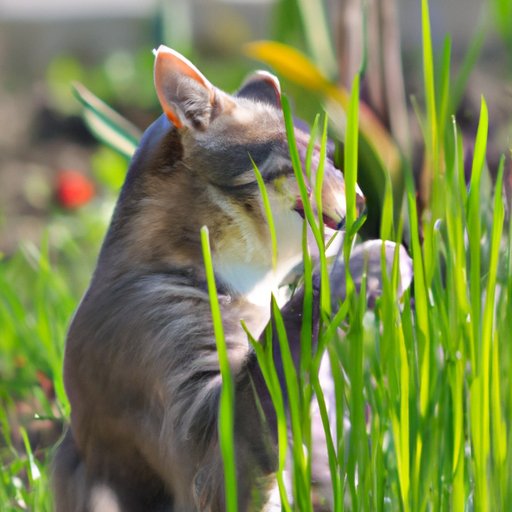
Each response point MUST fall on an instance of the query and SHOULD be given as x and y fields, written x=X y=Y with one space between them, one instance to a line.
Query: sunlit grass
x=422 y=381
x=226 y=408
x=35 y=306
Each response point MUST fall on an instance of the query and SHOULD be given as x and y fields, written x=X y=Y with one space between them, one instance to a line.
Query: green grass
x=422 y=384
x=34 y=310
x=40 y=288
x=422 y=380
x=226 y=416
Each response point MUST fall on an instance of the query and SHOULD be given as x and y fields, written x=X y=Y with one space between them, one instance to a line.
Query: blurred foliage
x=106 y=124
x=109 y=168
x=117 y=80
x=502 y=10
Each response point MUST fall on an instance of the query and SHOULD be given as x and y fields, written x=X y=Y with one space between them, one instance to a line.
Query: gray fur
x=141 y=367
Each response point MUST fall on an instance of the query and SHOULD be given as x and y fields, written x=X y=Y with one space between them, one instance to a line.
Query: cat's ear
x=261 y=86
x=186 y=96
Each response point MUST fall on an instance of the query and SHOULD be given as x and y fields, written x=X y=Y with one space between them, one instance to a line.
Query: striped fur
x=141 y=368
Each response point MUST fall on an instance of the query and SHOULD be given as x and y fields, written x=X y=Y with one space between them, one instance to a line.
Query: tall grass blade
x=325 y=287
x=491 y=363
x=474 y=232
x=432 y=163
x=480 y=346
x=111 y=128
x=350 y=174
x=268 y=369
x=226 y=412
x=301 y=483
x=351 y=157
x=268 y=213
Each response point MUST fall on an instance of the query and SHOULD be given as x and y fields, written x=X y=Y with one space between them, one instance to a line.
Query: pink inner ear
x=168 y=66
x=181 y=66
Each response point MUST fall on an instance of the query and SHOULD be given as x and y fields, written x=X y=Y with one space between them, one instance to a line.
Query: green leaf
x=106 y=124
x=268 y=212
x=226 y=412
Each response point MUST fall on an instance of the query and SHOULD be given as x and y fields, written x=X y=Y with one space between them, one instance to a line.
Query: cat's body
x=141 y=367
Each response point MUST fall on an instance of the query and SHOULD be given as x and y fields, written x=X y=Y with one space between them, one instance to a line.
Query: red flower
x=74 y=189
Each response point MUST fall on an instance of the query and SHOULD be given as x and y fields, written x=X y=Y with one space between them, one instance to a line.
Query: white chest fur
x=245 y=265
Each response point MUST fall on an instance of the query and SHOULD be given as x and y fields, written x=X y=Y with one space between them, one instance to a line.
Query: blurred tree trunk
x=383 y=82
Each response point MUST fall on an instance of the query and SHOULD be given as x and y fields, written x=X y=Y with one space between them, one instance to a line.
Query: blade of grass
x=444 y=91
x=226 y=411
x=111 y=128
x=350 y=175
x=311 y=145
x=422 y=329
x=458 y=310
x=474 y=232
x=306 y=329
x=430 y=97
x=491 y=363
x=357 y=461
x=268 y=369
x=301 y=483
x=268 y=212
x=325 y=288
x=397 y=369
x=386 y=222
x=479 y=345
x=351 y=158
